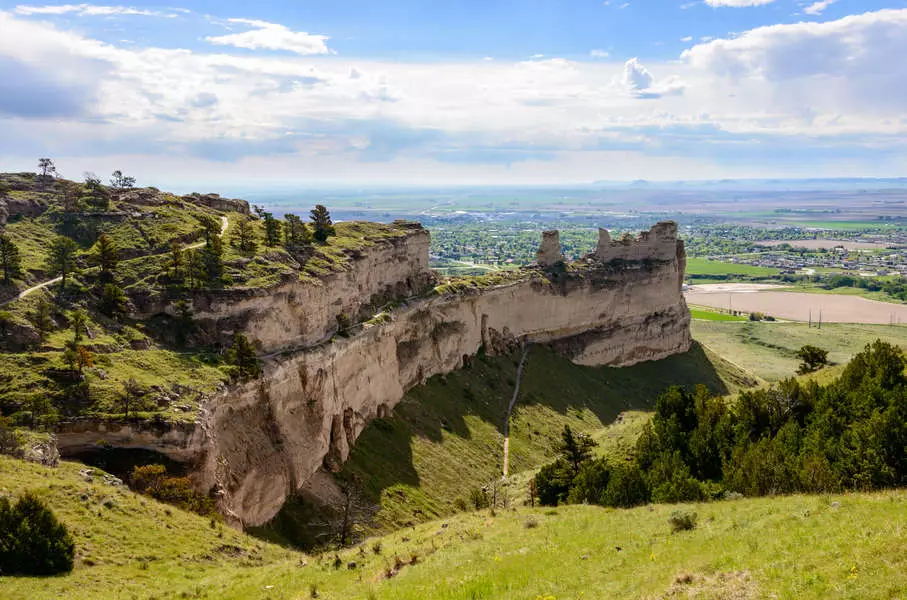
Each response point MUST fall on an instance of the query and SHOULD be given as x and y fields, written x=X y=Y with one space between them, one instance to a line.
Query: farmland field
x=767 y=350
x=711 y=315
x=798 y=306
x=702 y=266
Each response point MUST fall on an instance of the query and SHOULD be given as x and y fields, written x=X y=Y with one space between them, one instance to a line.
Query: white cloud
x=687 y=38
x=815 y=80
x=818 y=7
x=89 y=10
x=738 y=3
x=599 y=54
x=639 y=82
x=271 y=36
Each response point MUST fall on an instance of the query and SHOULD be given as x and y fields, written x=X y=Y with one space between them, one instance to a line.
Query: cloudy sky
x=466 y=91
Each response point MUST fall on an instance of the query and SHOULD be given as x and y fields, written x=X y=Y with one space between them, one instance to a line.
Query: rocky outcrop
x=549 y=253
x=259 y=442
x=217 y=203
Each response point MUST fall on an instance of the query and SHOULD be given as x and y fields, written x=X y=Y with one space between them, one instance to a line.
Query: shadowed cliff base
x=445 y=438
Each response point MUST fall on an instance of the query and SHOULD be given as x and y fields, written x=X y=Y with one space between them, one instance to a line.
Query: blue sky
x=536 y=91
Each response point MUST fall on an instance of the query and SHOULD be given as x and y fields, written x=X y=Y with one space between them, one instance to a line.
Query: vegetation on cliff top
x=71 y=349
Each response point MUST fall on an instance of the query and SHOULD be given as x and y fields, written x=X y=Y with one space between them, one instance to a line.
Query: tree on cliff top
x=272 y=229
x=243 y=235
x=295 y=232
x=321 y=223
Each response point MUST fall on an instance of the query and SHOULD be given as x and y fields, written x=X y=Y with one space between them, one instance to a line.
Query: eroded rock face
x=259 y=442
x=549 y=253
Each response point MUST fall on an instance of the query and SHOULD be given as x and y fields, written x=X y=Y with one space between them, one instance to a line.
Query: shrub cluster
x=32 y=540
x=849 y=434
x=153 y=480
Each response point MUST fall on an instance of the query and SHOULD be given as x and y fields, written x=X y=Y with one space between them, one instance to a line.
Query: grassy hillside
x=767 y=350
x=446 y=437
x=844 y=546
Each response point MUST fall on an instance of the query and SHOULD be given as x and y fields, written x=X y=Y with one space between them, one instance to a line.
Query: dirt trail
x=224 y=223
x=516 y=391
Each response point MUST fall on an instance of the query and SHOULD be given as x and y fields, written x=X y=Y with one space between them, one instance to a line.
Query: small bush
x=531 y=523
x=32 y=540
x=682 y=520
x=153 y=480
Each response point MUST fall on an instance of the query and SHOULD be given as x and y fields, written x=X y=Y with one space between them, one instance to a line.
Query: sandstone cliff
x=260 y=441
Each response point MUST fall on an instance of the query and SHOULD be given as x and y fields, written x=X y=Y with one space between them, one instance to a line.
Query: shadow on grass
x=451 y=410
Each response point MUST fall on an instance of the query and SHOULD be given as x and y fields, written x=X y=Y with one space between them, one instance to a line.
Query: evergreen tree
x=212 y=262
x=243 y=235
x=96 y=195
x=242 y=354
x=32 y=540
x=211 y=255
x=62 y=258
x=576 y=449
x=113 y=300
x=10 y=260
x=295 y=231
x=322 y=225
x=105 y=255
x=177 y=260
x=121 y=182
x=272 y=229
x=41 y=317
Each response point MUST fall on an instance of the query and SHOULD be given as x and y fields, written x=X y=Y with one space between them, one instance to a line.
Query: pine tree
x=105 y=255
x=62 y=258
x=295 y=231
x=177 y=260
x=242 y=354
x=272 y=229
x=321 y=223
x=243 y=235
x=576 y=449
x=10 y=260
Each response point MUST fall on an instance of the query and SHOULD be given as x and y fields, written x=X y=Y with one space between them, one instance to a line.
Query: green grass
x=446 y=437
x=767 y=349
x=706 y=314
x=844 y=291
x=842 y=546
x=704 y=266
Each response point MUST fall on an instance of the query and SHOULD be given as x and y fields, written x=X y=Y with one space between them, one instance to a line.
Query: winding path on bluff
x=516 y=391
x=224 y=223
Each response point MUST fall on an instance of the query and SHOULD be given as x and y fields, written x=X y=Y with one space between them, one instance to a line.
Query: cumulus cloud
x=639 y=82
x=819 y=7
x=272 y=36
x=89 y=10
x=737 y=3
x=840 y=78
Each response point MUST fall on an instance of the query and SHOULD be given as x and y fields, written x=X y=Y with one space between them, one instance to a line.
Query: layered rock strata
x=260 y=441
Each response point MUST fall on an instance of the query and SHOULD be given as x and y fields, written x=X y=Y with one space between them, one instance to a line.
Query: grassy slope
x=767 y=349
x=445 y=438
x=850 y=546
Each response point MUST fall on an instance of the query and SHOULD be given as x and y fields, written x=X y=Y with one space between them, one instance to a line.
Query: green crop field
x=706 y=314
x=703 y=266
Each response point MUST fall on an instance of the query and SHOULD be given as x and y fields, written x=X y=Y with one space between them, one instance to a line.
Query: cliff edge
x=328 y=370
